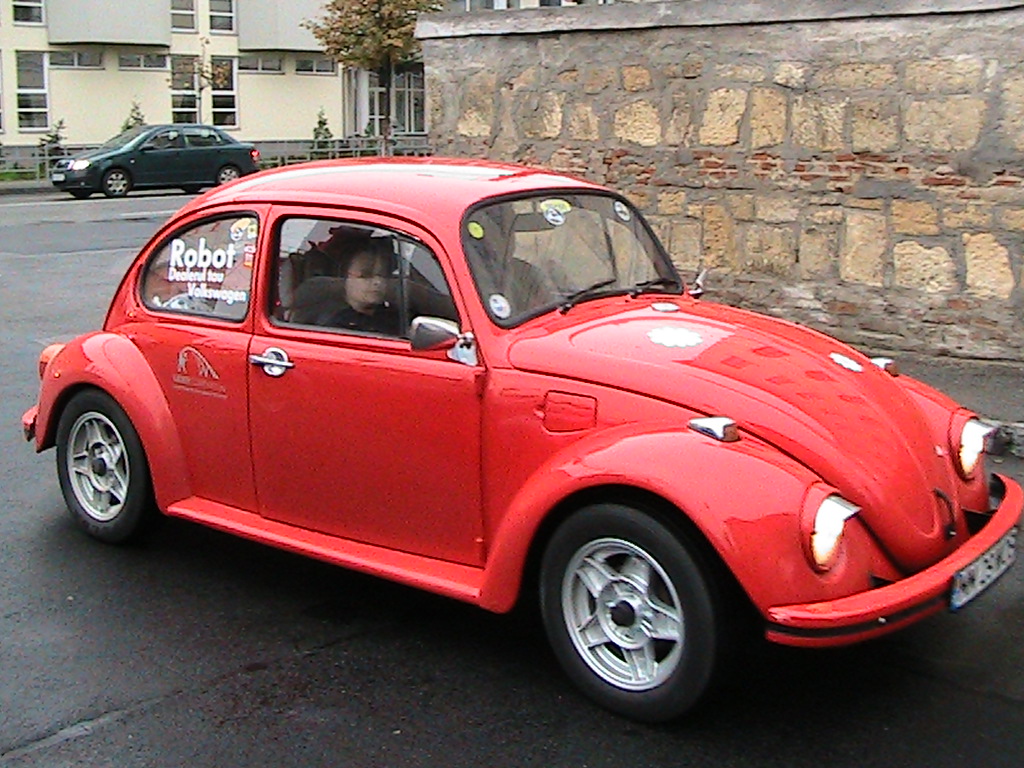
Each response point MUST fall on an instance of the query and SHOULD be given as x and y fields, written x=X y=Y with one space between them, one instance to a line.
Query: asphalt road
x=198 y=649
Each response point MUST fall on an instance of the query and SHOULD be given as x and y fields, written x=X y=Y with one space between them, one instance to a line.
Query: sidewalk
x=27 y=187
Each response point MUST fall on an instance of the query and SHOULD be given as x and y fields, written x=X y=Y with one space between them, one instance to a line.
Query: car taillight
x=254 y=154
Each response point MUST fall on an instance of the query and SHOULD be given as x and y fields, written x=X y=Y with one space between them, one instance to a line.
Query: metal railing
x=29 y=163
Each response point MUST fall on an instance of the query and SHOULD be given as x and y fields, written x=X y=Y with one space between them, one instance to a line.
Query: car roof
x=422 y=186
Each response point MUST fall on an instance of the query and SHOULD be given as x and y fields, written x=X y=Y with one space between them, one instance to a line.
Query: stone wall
x=862 y=175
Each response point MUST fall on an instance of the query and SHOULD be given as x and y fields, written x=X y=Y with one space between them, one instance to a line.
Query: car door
x=355 y=434
x=158 y=160
x=196 y=288
x=202 y=155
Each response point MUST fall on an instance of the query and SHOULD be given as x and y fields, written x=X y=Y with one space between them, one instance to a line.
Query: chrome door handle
x=274 y=361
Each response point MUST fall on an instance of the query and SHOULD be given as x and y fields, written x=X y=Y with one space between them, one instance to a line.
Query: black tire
x=228 y=173
x=117 y=182
x=191 y=189
x=102 y=469
x=630 y=612
x=80 y=194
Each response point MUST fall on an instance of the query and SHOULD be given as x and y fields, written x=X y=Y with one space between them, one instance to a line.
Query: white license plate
x=57 y=177
x=979 y=575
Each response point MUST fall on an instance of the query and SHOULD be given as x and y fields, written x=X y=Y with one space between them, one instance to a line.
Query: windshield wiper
x=647 y=286
x=575 y=298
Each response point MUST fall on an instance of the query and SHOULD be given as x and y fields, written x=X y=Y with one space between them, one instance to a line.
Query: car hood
x=811 y=396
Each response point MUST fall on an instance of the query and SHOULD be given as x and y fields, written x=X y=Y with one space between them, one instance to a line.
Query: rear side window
x=204 y=270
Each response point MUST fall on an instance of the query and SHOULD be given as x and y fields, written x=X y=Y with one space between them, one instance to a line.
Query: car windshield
x=123 y=138
x=531 y=255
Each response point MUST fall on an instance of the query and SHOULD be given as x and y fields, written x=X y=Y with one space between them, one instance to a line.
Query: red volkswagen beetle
x=471 y=377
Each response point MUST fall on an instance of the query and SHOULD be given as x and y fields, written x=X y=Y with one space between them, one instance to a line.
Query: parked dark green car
x=156 y=156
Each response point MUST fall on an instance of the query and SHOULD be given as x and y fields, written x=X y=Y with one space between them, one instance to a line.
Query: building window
x=142 y=61
x=225 y=98
x=28 y=11
x=1 y=97
x=183 y=15
x=410 y=100
x=76 y=59
x=260 y=64
x=33 y=110
x=184 y=97
x=222 y=15
x=318 y=66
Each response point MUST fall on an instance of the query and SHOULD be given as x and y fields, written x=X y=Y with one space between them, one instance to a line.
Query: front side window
x=222 y=15
x=33 y=101
x=28 y=11
x=347 y=277
x=533 y=254
x=205 y=270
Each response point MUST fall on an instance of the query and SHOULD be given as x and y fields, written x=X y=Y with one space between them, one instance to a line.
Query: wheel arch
x=111 y=364
x=694 y=494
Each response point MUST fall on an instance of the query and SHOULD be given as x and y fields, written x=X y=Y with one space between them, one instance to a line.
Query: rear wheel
x=102 y=469
x=630 y=613
x=228 y=173
x=116 y=182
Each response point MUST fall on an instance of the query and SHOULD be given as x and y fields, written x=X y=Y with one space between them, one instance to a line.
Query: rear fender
x=743 y=497
x=112 y=363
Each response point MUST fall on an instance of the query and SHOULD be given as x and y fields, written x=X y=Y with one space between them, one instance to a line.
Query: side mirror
x=433 y=333
x=427 y=333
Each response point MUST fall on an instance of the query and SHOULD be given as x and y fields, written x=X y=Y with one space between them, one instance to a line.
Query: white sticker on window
x=500 y=307
x=622 y=210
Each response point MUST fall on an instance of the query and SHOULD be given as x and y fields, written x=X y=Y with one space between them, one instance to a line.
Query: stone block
x=638 y=123
x=596 y=79
x=927 y=269
x=672 y=202
x=1013 y=110
x=961 y=74
x=540 y=115
x=477 y=108
x=777 y=209
x=791 y=74
x=692 y=66
x=865 y=242
x=682 y=239
x=741 y=72
x=945 y=124
x=720 y=124
x=741 y=207
x=584 y=124
x=718 y=236
x=770 y=249
x=818 y=122
x=1012 y=218
x=968 y=217
x=874 y=127
x=680 y=124
x=912 y=217
x=635 y=78
x=857 y=76
x=988 y=266
x=817 y=253
x=767 y=117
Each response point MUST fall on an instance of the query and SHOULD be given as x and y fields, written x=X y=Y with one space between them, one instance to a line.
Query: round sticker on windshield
x=500 y=307
x=475 y=229
x=622 y=210
x=554 y=217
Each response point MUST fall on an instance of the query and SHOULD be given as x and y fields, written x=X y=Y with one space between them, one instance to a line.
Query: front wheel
x=81 y=194
x=227 y=173
x=629 y=612
x=102 y=469
x=116 y=182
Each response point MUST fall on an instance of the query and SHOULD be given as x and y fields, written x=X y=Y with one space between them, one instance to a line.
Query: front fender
x=111 y=362
x=744 y=497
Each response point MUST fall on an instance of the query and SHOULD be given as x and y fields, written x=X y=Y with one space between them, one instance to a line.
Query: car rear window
x=204 y=270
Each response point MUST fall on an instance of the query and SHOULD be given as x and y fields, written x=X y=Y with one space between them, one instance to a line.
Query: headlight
x=973 y=441
x=79 y=165
x=827 y=533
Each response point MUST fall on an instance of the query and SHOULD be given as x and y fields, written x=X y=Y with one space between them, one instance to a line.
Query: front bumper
x=28 y=422
x=886 y=609
x=66 y=179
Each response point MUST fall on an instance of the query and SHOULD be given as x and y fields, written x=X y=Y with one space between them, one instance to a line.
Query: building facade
x=248 y=66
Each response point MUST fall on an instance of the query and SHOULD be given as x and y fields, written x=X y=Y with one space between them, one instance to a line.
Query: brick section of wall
x=865 y=177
